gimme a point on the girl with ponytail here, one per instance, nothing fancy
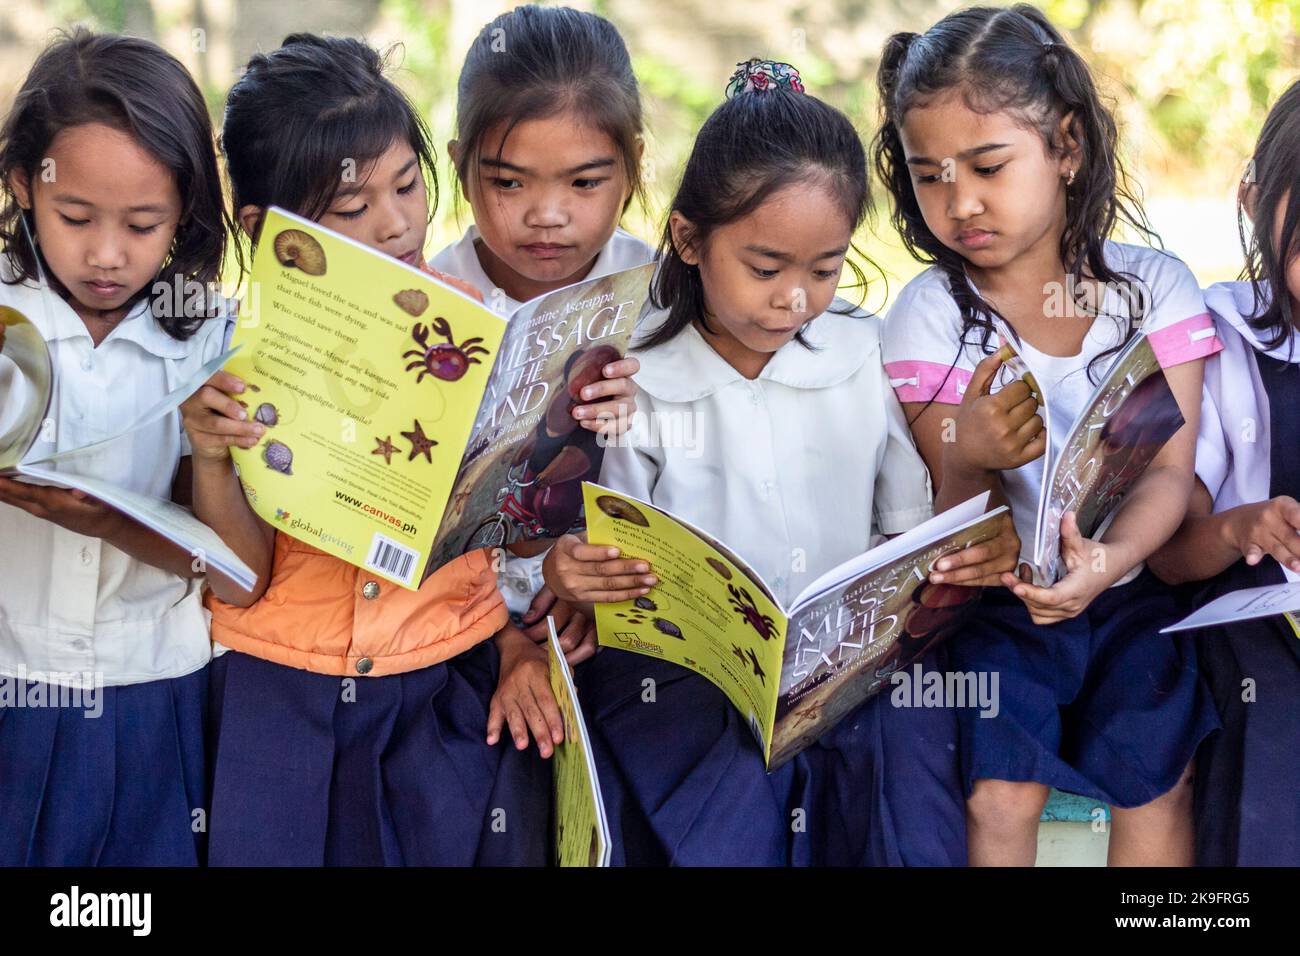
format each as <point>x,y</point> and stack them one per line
<point>801,449</point>
<point>1002,166</point>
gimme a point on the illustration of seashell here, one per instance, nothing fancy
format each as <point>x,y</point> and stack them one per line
<point>296,249</point>
<point>279,457</point>
<point>412,301</point>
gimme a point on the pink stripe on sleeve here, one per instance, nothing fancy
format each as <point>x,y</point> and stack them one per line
<point>926,381</point>
<point>1192,338</point>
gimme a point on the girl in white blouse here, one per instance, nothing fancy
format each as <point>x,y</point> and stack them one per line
<point>108,163</point>
<point>767,420</point>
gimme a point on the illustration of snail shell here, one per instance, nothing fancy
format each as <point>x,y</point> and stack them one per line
<point>295,249</point>
<point>622,510</point>
<point>266,414</point>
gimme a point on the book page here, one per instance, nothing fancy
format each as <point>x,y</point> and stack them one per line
<point>1243,605</point>
<point>842,647</point>
<point>581,827</point>
<point>704,613</point>
<point>26,385</point>
<point>368,374</point>
<point>166,518</point>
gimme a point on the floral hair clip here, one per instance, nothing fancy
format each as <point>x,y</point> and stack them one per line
<point>759,76</point>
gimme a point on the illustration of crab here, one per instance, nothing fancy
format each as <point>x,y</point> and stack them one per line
<point>445,360</point>
<point>742,602</point>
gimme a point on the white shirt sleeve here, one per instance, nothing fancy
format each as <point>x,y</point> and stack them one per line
<point>902,497</point>
<point>922,343</point>
<point>1177,323</point>
<point>519,580</point>
<point>632,465</point>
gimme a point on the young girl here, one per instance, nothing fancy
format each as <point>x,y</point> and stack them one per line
<point>1001,164</point>
<point>392,768</point>
<point>800,445</point>
<point>108,164</point>
<point>1243,524</point>
<point>548,153</point>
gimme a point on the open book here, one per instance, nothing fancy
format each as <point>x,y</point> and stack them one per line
<point>1247,604</point>
<point>581,827</point>
<point>1130,416</point>
<point>793,672</point>
<point>28,446</point>
<point>408,423</point>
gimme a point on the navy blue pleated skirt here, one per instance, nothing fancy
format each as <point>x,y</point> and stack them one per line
<point>684,782</point>
<point>114,781</point>
<point>1101,705</point>
<point>312,770</point>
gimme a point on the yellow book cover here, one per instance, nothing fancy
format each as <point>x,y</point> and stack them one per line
<point>792,672</point>
<point>581,827</point>
<point>395,406</point>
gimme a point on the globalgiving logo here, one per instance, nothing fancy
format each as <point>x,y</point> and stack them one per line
<point>281,514</point>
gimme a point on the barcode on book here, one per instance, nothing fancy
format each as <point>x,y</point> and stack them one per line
<point>393,559</point>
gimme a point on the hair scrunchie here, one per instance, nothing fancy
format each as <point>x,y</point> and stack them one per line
<point>760,76</point>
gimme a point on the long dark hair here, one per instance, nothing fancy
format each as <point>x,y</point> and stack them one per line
<point>752,146</point>
<point>536,62</point>
<point>1274,173</point>
<point>140,89</point>
<point>1009,59</point>
<point>299,114</point>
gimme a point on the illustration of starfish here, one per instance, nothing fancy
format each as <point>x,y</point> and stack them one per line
<point>385,448</point>
<point>758,671</point>
<point>420,443</point>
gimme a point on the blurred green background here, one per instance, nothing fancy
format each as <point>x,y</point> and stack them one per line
<point>1190,80</point>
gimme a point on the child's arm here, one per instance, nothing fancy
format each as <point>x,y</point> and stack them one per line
<point>1206,544</point>
<point>214,422</point>
<point>1149,516</point>
<point>78,512</point>
<point>967,447</point>
<point>523,701</point>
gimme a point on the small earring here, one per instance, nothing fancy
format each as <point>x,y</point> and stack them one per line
<point>1070,179</point>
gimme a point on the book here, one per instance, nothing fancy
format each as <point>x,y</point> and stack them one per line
<point>1244,605</point>
<point>29,452</point>
<point>581,826</point>
<point>407,422</point>
<point>1125,423</point>
<point>796,671</point>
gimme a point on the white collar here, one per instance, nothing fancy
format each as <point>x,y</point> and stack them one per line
<point>686,368</point>
<point>1234,303</point>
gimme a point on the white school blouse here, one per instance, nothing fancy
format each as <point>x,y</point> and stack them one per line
<point>75,605</point>
<point>1233,447</point>
<point>797,470</point>
<point>927,359</point>
<point>521,578</point>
